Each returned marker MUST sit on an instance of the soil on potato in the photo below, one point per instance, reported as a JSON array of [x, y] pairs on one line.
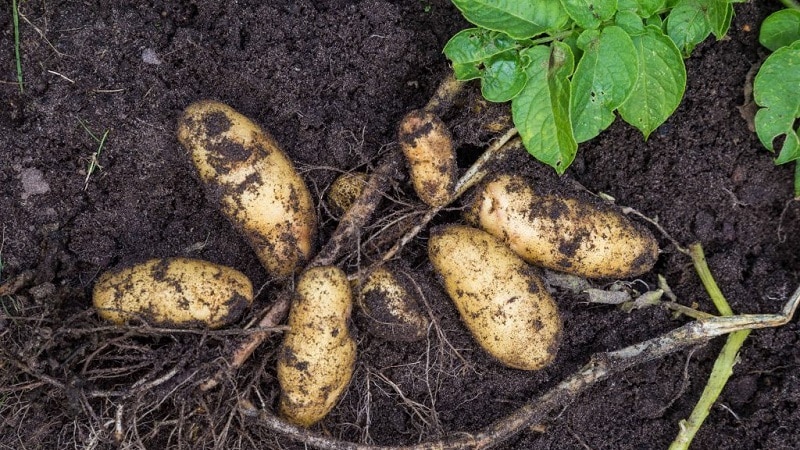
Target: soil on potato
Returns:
[[330, 80]]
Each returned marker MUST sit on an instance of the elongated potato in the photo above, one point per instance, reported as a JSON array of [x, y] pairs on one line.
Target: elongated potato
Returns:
[[499, 297], [391, 306], [562, 234], [173, 292], [428, 148], [345, 189], [254, 184], [318, 354]]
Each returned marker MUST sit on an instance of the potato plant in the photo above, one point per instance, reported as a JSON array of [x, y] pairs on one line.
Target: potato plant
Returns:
[[489, 273]]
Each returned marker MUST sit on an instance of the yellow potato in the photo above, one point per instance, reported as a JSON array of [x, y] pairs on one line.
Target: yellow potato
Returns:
[[254, 184], [173, 292], [391, 304], [428, 148], [500, 298], [316, 360], [345, 189], [562, 234]]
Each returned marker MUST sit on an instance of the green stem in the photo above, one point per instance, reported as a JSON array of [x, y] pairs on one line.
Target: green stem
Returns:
[[791, 4], [797, 180], [700, 265], [15, 18], [723, 366]]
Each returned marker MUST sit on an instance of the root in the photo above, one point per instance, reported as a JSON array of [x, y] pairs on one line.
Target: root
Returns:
[[600, 367]]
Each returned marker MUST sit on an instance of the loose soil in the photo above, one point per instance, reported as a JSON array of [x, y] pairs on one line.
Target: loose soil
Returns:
[[330, 80]]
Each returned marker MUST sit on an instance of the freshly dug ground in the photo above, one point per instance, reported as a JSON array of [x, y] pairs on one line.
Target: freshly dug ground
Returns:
[[330, 80]]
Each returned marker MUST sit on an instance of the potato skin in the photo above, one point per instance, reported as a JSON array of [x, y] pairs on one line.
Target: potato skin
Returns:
[[391, 306], [562, 234], [499, 297], [173, 292], [253, 183], [428, 147], [345, 189], [317, 358]]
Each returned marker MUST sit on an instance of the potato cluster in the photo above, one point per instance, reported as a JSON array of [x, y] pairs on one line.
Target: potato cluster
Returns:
[[484, 268]]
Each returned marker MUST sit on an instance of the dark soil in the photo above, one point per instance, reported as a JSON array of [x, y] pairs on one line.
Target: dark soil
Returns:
[[330, 80]]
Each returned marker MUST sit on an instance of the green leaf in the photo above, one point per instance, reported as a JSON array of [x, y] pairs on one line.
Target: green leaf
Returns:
[[660, 85], [471, 47], [687, 25], [656, 21], [629, 21], [503, 77], [590, 13], [776, 89], [541, 110], [647, 8], [603, 80], [780, 29], [519, 19], [719, 14], [466, 72]]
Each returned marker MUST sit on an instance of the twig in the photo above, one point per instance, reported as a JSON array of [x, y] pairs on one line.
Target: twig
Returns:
[[600, 367], [93, 160]]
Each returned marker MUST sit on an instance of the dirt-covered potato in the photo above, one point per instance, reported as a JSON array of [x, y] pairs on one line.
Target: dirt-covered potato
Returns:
[[391, 306], [173, 292], [562, 234], [428, 148], [254, 184], [318, 354], [345, 189], [499, 297]]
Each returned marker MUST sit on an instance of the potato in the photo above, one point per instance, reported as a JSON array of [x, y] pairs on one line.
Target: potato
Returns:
[[316, 360], [254, 184], [173, 292], [390, 304], [345, 189], [562, 234], [428, 148], [502, 301]]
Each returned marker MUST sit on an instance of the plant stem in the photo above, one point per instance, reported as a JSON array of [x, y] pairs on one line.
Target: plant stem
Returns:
[[700, 265], [723, 369], [15, 18], [723, 366], [797, 180], [791, 4]]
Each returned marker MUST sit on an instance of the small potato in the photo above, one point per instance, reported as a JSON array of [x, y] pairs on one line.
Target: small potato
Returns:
[[254, 184], [391, 305], [173, 292], [562, 234], [345, 189], [316, 360], [499, 297], [428, 148]]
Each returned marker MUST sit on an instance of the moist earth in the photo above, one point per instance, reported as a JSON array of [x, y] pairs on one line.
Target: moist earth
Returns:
[[330, 80]]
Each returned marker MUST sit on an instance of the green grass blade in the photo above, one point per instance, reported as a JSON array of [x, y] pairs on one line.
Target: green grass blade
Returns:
[[17, 54]]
